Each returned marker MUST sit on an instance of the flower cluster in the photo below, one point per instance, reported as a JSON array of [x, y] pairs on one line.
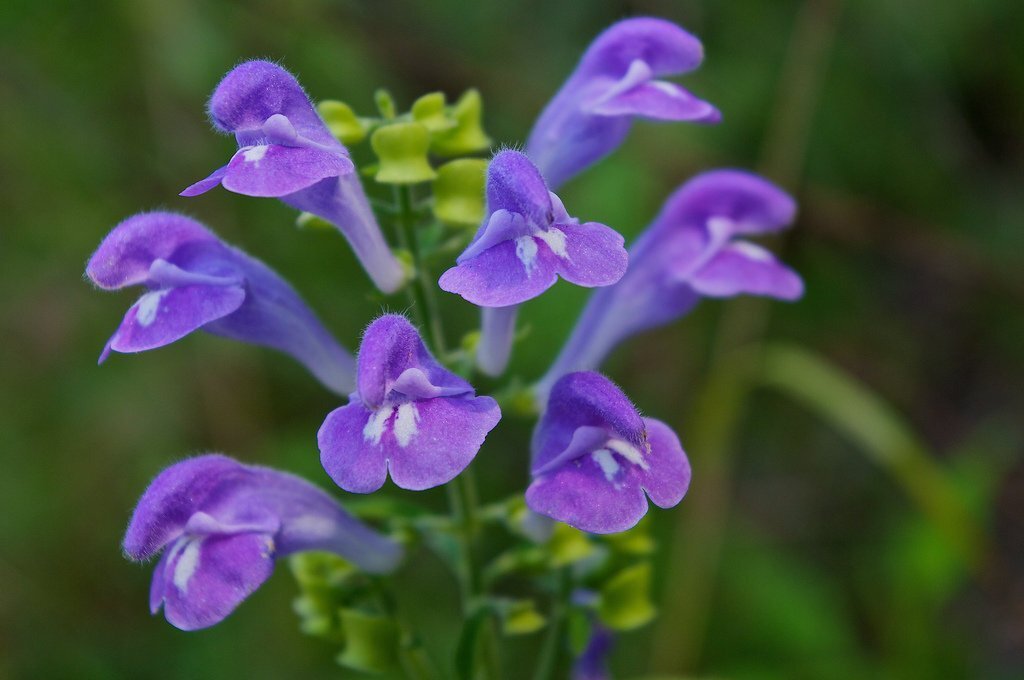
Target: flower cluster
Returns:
[[412, 412]]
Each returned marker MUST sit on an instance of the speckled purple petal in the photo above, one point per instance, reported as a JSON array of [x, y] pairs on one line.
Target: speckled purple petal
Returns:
[[499, 277], [203, 579], [274, 171], [594, 255], [515, 184], [743, 267], [668, 477], [659, 100]]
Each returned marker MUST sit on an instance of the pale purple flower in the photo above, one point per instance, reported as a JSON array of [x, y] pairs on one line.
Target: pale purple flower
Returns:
[[285, 151], [596, 461], [409, 416], [222, 524], [617, 80], [592, 663], [526, 241], [691, 251], [194, 280]]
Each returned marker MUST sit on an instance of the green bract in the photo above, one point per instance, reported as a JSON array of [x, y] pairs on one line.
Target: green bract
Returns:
[[342, 121], [459, 192], [468, 135], [402, 151], [624, 602]]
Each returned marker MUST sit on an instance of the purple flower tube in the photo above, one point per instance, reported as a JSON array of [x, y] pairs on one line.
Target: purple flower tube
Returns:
[[285, 151], [409, 415], [691, 251], [525, 243], [221, 526], [616, 81], [194, 281], [596, 460]]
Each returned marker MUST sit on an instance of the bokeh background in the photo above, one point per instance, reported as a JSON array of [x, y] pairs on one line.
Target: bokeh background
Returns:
[[858, 502]]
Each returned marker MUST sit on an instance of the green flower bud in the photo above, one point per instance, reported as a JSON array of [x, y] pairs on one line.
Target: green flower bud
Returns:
[[402, 151], [342, 121], [468, 135], [429, 111], [521, 618], [459, 192], [624, 602], [371, 642]]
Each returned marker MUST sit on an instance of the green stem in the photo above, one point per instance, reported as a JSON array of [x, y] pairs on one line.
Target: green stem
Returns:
[[421, 287], [547, 665]]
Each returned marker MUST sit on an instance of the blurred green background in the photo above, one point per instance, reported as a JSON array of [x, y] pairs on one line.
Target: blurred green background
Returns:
[[834, 529]]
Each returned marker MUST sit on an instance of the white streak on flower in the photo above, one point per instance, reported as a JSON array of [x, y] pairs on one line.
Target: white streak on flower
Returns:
[[628, 451], [254, 154], [187, 564], [526, 251], [555, 238], [148, 306], [606, 461], [752, 251], [374, 428], [406, 423]]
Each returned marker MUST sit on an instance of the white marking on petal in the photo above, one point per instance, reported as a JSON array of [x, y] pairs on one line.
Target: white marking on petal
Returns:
[[720, 228], [312, 526], [406, 423], [148, 306], [526, 251], [752, 251], [668, 88], [254, 154], [555, 238], [628, 451], [606, 461], [187, 564], [374, 428]]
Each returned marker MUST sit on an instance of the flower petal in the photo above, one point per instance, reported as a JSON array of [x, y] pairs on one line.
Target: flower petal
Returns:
[[743, 267], [579, 494], [391, 345], [448, 434], [594, 254], [665, 47], [667, 476], [206, 577], [204, 185], [507, 274], [162, 316], [347, 450], [171, 499], [658, 100], [274, 171], [515, 184], [126, 254]]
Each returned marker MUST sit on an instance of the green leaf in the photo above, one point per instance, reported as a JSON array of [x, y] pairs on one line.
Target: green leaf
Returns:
[[342, 121], [521, 618], [385, 104], [624, 602], [307, 220], [371, 642], [636, 541], [469, 641], [459, 192], [402, 151], [568, 546], [468, 135], [881, 433]]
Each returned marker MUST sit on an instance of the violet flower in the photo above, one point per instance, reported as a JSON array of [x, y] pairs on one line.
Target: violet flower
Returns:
[[689, 252], [409, 415], [594, 458], [592, 663], [526, 241], [195, 280], [223, 525], [616, 81], [285, 151]]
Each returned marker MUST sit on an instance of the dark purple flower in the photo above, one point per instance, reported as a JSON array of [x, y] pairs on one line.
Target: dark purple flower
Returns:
[[616, 81], [286, 151], [195, 280], [592, 663], [409, 415], [594, 457], [527, 240], [224, 523], [689, 252]]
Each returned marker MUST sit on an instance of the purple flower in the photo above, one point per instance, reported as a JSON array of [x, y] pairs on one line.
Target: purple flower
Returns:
[[594, 458], [615, 82], [527, 240], [689, 252], [224, 523], [409, 415], [286, 151], [592, 663], [195, 280]]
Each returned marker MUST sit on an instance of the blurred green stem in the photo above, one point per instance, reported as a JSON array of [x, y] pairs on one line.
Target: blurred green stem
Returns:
[[718, 413], [547, 664]]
